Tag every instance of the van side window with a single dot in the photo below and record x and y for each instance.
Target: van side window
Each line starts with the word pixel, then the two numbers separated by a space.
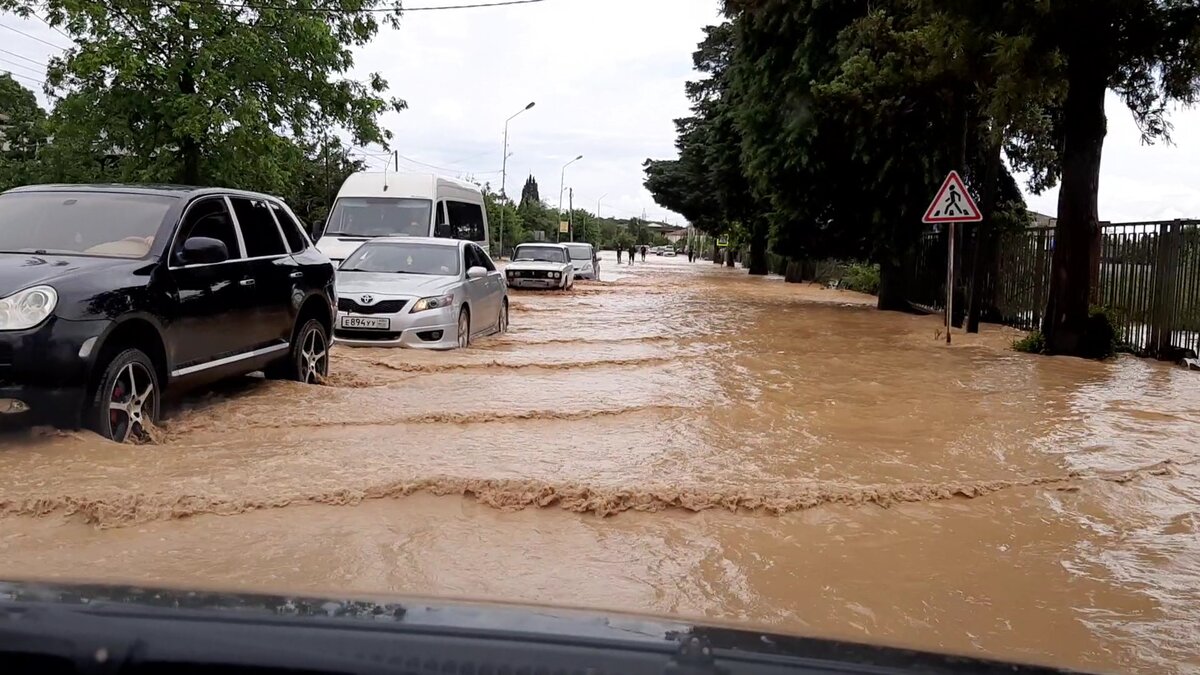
pixel 440 227
pixel 291 229
pixel 208 218
pixel 466 220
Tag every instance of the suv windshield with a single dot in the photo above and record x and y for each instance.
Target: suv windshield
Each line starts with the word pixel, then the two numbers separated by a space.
pixel 580 251
pixel 400 258
pixel 113 224
pixel 541 253
pixel 380 217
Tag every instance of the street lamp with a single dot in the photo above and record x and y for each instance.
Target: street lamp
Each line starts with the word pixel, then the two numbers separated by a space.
pixel 504 175
pixel 561 181
pixel 598 205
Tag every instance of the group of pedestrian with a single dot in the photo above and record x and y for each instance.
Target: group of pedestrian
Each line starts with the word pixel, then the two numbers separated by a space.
pixel 633 251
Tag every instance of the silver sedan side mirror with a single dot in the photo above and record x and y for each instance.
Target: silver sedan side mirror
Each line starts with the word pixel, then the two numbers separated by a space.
pixel 477 272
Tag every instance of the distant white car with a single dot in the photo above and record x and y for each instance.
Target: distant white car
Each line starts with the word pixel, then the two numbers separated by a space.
pixel 419 292
pixel 541 266
pixel 584 260
pixel 668 252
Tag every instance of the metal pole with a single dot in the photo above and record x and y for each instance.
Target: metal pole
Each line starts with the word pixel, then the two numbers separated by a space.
pixel 503 187
pixel 571 214
pixel 561 179
pixel 950 283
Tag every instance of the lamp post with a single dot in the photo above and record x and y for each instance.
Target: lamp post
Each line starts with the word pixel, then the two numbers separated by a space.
pixel 562 181
pixel 598 205
pixel 504 175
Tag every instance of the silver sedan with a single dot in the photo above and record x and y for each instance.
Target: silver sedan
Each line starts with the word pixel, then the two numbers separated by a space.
pixel 419 292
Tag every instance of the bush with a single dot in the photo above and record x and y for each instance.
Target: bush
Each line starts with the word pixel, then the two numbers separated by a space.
pixel 861 278
pixel 1033 343
pixel 1100 336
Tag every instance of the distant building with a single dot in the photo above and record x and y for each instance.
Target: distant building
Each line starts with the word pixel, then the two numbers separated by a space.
pixel 1042 220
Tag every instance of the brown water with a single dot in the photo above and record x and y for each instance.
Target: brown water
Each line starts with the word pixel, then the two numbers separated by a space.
pixel 679 440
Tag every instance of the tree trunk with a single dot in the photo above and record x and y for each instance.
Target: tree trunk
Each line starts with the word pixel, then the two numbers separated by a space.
pixel 758 249
pixel 983 248
pixel 729 256
pixel 716 252
pixel 1078 212
pixel 893 286
pixel 189 147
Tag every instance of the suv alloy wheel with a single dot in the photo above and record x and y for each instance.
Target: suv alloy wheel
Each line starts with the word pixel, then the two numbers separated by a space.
pixel 126 401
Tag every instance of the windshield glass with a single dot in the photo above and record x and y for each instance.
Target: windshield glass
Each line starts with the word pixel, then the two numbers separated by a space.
pixel 540 253
pixel 111 224
pixel 380 217
pixel 403 258
pixel 580 251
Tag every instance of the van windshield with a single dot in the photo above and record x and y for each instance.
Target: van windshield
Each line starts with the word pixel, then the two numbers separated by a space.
pixel 380 217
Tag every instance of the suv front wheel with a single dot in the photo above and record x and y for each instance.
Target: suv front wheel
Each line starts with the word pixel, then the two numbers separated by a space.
pixel 308 360
pixel 126 401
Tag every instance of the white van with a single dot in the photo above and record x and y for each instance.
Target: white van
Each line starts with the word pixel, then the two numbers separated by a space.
pixel 398 204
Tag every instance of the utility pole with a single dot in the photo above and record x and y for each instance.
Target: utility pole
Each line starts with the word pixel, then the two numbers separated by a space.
pixel 561 182
pixel 504 177
pixel 571 213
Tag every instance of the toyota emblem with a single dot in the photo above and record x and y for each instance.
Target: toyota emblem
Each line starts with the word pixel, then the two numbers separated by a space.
pixel 367 299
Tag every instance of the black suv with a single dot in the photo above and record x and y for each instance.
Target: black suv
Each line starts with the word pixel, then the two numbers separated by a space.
pixel 111 294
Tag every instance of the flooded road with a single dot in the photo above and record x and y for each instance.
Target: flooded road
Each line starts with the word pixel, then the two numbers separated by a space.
pixel 681 439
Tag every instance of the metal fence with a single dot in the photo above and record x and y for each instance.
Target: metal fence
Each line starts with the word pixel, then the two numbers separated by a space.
pixel 1145 275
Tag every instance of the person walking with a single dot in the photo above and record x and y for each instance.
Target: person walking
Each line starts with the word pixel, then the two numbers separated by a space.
pixel 618 254
pixel 632 253
pixel 643 253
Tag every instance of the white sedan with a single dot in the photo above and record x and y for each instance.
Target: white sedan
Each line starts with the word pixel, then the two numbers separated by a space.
pixel 419 292
pixel 541 266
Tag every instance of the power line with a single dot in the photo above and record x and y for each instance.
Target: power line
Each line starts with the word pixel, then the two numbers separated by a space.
pixel 24 58
pixel 32 37
pixel 52 27
pixel 24 77
pixel 14 64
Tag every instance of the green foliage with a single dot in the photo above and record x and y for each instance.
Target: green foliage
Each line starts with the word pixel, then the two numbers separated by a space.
pixel 208 93
pixel 529 193
pixel 862 278
pixel 22 133
pixel 1100 336
pixel 1033 343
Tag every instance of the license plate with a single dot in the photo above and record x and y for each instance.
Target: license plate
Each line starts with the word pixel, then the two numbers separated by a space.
pixel 366 323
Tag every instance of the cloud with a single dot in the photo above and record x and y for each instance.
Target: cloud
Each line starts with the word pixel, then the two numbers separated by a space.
pixel 607 77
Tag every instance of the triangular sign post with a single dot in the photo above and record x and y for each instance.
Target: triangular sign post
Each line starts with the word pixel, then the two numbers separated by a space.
pixel 953 204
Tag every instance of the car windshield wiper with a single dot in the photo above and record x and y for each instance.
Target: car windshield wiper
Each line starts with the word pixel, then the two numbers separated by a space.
pixel 355 234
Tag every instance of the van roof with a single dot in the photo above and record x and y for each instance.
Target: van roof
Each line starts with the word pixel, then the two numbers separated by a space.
pixel 398 184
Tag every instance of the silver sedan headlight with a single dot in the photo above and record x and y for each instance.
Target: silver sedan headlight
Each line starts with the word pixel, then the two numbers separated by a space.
pixel 435 302
pixel 27 308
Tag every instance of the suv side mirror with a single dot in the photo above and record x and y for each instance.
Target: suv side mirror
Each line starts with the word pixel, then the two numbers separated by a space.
pixel 318 229
pixel 203 251
pixel 477 272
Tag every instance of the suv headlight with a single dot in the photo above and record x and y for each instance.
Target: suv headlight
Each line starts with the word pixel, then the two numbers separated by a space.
pixel 435 302
pixel 27 308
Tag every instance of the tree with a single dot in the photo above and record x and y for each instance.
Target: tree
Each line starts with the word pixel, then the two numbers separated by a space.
pixel 211 93
pixel 324 167
pixel 529 193
pixel 514 230
pixel 22 133
pixel 1148 52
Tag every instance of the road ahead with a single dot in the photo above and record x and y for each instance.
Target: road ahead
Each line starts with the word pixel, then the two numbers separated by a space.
pixel 764 452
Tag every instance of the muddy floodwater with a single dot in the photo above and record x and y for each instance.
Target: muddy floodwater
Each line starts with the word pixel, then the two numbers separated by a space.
pixel 678 439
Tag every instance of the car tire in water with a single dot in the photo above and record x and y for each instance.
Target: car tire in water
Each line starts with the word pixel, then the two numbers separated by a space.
pixel 127 398
pixel 464 328
pixel 308 359
pixel 502 320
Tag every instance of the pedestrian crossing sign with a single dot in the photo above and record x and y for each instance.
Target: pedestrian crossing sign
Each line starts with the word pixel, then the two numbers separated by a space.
pixel 953 204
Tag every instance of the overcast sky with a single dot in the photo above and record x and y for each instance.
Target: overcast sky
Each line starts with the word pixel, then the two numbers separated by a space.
pixel 607 77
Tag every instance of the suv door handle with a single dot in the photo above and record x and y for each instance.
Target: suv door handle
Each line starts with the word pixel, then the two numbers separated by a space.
pixel 246 282
pixel 297 275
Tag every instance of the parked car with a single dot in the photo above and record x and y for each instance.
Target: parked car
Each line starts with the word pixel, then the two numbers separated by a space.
pixel 584 260
pixel 111 295
pixel 419 292
pixel 541 266
pixel 668 251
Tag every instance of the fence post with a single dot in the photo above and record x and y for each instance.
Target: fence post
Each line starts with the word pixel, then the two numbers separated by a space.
pixel 1094 255
pixel 1163 299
